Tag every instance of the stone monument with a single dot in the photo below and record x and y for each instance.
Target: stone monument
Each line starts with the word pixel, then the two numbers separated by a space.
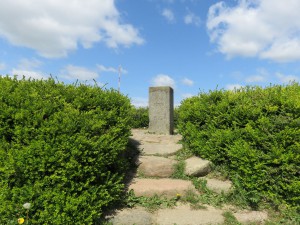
pixel 161 110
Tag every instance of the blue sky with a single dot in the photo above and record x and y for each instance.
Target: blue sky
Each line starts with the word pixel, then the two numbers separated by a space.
pixel 191 45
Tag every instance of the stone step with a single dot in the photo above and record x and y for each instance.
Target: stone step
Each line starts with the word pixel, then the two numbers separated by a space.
pixel 184 215
pixel 161 187
pixel 138 216
pixel 197 167
pixel 154 166
pixel 246 217
pixel 179 215
pixel 159 149
pixel 143 136
pixel 218 186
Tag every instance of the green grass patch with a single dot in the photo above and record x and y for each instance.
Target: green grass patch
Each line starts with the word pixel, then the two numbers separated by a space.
pixel 150 203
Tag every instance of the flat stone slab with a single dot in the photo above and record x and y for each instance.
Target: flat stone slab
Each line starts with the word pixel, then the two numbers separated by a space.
pixel 197 167
pixel 143 136
pixel 218 185
pixel 159 149
pixel 251 217
pixel 132 216
pixel 161 187
pixel 155 166
pixel 184 215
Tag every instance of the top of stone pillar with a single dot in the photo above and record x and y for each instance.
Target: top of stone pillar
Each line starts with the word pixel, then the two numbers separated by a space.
pixel 161 88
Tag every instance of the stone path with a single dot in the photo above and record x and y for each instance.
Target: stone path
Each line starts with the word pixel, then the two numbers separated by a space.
pixel 155 166
pixel 162 187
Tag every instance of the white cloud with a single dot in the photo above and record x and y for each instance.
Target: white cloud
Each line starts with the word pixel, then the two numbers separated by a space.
pixel 283 51
pixel 255 78
pixel 53 28
pixel 169 15
pixel 260 76
pixel 232 87
pixel 163 80
pixel 2 66
pixel 287 78
pixel 29 63
pixel 257 28
pixel 80 73
pixel 139 102
pixel 187 82
pixel 187 95
pixel 28 74
pixel 191 18
pixel 107 69
pixel 30 68
pixel 111 69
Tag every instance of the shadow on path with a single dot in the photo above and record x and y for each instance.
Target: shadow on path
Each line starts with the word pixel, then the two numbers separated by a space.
pixel 131 155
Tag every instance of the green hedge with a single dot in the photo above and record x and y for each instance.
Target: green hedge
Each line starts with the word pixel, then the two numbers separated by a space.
pixel 60 150
pixel 140 117
pixel 254 133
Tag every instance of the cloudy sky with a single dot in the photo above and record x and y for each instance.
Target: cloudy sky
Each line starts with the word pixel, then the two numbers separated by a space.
pixel 191 45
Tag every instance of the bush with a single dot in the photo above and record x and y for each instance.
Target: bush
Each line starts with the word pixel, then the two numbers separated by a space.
pixel 255 133
pixel 140 117
pixel 59 150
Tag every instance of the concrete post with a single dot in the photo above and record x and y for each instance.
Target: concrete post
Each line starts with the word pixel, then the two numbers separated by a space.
pixel 161 110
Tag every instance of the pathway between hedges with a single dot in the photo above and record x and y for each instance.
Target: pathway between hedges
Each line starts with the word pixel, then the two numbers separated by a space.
pixel 155 167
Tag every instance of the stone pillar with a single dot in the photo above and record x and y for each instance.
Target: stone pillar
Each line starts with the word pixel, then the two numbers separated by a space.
pixel 161 110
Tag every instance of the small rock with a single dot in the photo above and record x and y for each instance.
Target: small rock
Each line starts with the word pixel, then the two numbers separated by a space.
pixel 251 216
pixel 165 186
pixel 218 185
pixel 132 216
pixel 155 166
pixel 197 167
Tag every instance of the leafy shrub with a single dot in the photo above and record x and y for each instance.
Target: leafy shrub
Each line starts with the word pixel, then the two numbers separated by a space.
pixel 255 133
pixel 140 117
pixel 59 150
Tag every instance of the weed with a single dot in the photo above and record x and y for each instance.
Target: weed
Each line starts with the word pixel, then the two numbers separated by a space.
pixel 284 215
pixel 106 223
pixel 150 203
pixel 219 172
pixel 230 219
pixel 184 153
pixel 207 196
pixel 179 171
pixel 140 174
pixel 192 198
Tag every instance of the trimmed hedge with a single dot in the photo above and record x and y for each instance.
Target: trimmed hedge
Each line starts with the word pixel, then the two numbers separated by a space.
pixel 254 133
pixel 140 117
pixel 60 150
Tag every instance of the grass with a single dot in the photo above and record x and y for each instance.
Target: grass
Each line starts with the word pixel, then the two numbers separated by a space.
pixel 229 219
pixel 179 171
pixel 151 203
pixel 193 199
